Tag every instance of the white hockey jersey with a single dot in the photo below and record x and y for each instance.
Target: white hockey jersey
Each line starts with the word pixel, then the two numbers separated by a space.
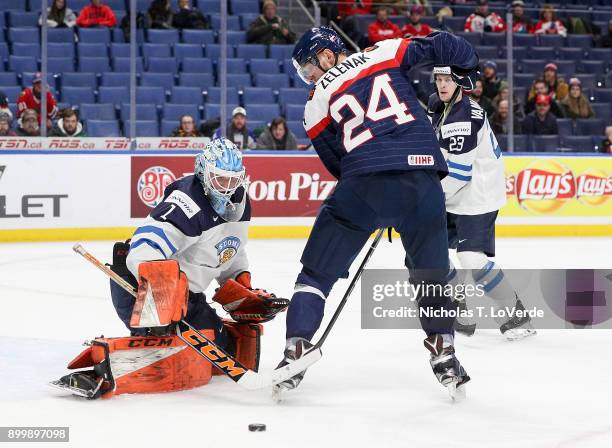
pixel 476 181
pixel 184 227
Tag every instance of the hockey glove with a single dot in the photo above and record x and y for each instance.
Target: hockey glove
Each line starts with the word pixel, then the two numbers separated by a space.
pixel 245 304
pixel 465 78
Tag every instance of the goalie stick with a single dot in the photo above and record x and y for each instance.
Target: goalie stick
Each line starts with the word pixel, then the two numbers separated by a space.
pixel 316 349
pixel 210 351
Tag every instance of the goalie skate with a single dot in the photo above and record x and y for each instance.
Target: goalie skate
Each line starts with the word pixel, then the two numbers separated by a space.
pixel 446 366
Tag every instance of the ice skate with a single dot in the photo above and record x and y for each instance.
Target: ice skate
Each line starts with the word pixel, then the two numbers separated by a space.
pixel 517 328
pixel 446 366
pixel 295 349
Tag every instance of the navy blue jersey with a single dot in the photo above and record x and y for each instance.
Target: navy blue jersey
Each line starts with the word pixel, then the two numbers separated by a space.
pixel 363 115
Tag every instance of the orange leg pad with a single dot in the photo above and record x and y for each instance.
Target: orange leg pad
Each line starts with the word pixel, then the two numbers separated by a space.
pixel 247 337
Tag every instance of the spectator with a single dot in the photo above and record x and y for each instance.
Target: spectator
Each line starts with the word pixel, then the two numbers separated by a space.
pixel 59 15
pixel 606 40
pixel 160 15
pixel 30 99
pixel 189 17
pixel 269 28
pixel 277 136
pixel 483 20
pixel 482 100
pixel 540 87
pixel 237 130
pixel 4 105
pixel 354 7
pixel 5 126
pixel 68 125
pixel 96 15
pixel 517 108
pixel 443 12
pixel 28 124
pixel 576 104
pixel 414 28
pixel 542 121
pixel 606 143
pixel 520 22
pixel 402 7
pixel 186 128
pixel 548 23
pixel 382 28
pixel 491 84
pixel 499 120
pixel 558 88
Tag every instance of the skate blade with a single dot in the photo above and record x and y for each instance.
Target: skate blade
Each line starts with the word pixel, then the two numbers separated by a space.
pixel 456 393
pixel 72 390
pixel 519 333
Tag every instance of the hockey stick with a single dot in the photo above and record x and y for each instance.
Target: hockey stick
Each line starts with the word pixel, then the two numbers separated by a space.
pixel 210 351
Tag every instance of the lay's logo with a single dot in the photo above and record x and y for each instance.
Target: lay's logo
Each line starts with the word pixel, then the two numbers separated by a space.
pixel 593 187
pixel 545 186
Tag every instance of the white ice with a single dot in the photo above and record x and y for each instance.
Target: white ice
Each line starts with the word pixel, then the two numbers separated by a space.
pixel 372 388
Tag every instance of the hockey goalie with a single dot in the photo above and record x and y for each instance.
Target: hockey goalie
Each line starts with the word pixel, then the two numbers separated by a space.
pixel 197 234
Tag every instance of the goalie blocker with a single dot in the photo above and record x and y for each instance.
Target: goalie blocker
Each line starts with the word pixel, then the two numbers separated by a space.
pixel 163 362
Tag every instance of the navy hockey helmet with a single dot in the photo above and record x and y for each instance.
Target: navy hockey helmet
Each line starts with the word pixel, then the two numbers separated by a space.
pixel 311 44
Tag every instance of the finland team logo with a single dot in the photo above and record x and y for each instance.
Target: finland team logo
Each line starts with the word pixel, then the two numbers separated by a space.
pixel 227 248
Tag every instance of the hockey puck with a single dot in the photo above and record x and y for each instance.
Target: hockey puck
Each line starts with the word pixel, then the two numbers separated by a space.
pixel 257 427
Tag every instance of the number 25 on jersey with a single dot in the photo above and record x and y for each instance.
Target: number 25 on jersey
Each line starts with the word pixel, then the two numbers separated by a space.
pixel 380 86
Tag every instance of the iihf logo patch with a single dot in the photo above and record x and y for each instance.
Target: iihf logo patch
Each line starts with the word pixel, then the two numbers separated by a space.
pixel 227 248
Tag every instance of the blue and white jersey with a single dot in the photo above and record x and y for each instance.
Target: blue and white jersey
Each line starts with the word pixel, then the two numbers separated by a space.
pixel 363 115
pixel 184 227
pixel 476 182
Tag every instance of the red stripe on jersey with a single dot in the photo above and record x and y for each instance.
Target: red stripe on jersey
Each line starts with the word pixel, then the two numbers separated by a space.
pixel 318 128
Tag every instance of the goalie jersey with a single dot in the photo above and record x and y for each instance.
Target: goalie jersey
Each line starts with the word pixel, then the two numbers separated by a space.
pixel 184 227
pixel 476 182
pixel 363 115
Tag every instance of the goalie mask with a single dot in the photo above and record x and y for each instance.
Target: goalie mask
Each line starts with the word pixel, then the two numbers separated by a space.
pixel 221 172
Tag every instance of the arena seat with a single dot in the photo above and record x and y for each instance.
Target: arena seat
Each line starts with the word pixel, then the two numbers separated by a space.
pixel 102 128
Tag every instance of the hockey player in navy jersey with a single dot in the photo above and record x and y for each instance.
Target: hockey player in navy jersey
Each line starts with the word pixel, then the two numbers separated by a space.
pixel 368 129
pixel 197 234
pixel 475 190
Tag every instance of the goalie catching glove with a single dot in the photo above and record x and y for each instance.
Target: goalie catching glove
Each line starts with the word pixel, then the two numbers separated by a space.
pixel 245 304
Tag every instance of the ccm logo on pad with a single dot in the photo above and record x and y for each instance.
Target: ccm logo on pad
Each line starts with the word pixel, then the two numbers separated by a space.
pixel 420 160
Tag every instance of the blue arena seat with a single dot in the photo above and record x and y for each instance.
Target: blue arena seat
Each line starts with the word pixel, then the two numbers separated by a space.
pixel 186 95
pixel 247 19
pixel 91 50
pixel 565 126
pixel 198 37
pixel 524 79
pixel 119 37
pixel 61 50
pixel 293 96
pixel 544 143
pixel 245 6
pixel 212 110
pixel 176 111
pixel 156 50
pixel 102 128
pixel 571 53
pixel 4 53
pixel 144 128
pixel 590 126
pixel 600 54
pixel 97 65
pixel 197 65
pixel 263 112
pixel 280 52
pixel 24 35
pixel 124 64
pixel 603 95
pixel 249 51
pixel 274 81
pixel 60 65
pixel 12 92
pixel 258 95
pixel 473 38
pixel 162 65
pixel 239 80
pixel 22 64
pixel 165 80
pixel 150 95
pixel 547 53
pixel 113 94
pixel 236 37
pixel 233 22
pixel 455 24
pixel 213 51
pixel 8 79
pixel 201 80
pixel 210 6
pixel 533 65
pixel 119 50
pixel 163 36
pixel 551 40
pixel 95 35
pixel 77 95
pixel 143 112
pixel 487 51
pixel 80 79
pixel 183 51
pixel 60 35
pixel 294 112
pixel 234 65
pixel 21 18
pixel 112 79
pixel 297 127
pixel 524 40
pixel 213 95
pixel 579 40
pixel 263 66
pixel 602 110
pixel 5 5
pixel 27 77
pixel 593 67
pixel 577 143
pixel 26 49
pixel 495 39
pixel 93 111
pixel 168 127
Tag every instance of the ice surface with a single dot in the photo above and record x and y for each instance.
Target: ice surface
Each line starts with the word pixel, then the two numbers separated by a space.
pixel 372 388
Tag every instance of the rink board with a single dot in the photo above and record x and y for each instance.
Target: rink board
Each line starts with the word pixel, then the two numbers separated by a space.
pixel 99 194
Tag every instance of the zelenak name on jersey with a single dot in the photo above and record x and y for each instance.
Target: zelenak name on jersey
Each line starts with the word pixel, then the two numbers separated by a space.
pixel 342 68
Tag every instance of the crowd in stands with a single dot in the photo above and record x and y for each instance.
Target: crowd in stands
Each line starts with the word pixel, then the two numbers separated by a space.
pixel 562 66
